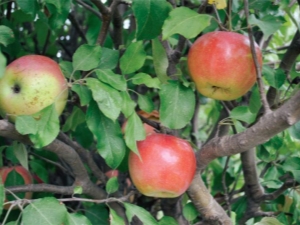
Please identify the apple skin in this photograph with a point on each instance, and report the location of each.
(165, 168)
(4, 171)
(29, 84)
(221, 65)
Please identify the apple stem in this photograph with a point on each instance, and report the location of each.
(263, 96)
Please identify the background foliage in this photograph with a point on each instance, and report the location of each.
(124, 56)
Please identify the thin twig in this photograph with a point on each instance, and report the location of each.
(256, 63)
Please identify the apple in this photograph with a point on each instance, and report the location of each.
(112, 173)
(29, 84)
(221, 65)
(165, 166)
(25, 174)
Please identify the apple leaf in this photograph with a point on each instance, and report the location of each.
(177, 105)
(14, 179)
(133, 58)
(190, 212)
(160, 60)
(243, 113)
(167, 220)
(128, 105)
(115, 219)
(146, 103)
(48, 127)
(186, 22)
(255, 102)
(76, 118)
(112, 185)
(6, 37)
(141, 213)
(37, 167)
(295, 130)
(109, 59)
(77, 219)
(86, 57)
(28, 6)
(57, 4)
(269, 221)
(146, 79)
(85, 94)
(268, 25)
(109, 77)
(2, 63)
(58, 13)
(150, 16)
(110, 143)
(26, 124)
(134, 131)
(46, 210)
(108, 99)
(21, 153)
(275, 78)
(68, 71)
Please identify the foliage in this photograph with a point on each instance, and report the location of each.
(120, 57)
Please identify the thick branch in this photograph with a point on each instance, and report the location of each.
(41, 188)
(66, 153)
(268, 126)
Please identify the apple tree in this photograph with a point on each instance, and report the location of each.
(126, 61)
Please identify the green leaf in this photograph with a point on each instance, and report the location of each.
(142, 214)
(77, 117)
(109, 77)
(271, 174)
(255, 102)
(2, 64)
(26, 124)
(177, 105)
(160, 60)
(68, 71)
(28, 6)
(293, 165)
(134, 131)
(21, 153)
(78, 190)
(269, 221)
(150, 16)
(110, 143)
(48, 127)
(243, 113)
(109, 59)
(14, 179)
(186, 22)
(58, 13)
(6, 37)
(190, 212)
(128, 105)
(146, 79)
(108, 99)
(77, 219)
(275, 78)
(167, 220)
(85, 94)
(112, 185)
(45, 211)
(133, 58)
(115, 219)
(146, 103)
(295, 130)
(38, 168)
(86, 57)
(268, 25)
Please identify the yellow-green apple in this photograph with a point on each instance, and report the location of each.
(29, 84)
(165, 166)
(24, 173)
(221, 65)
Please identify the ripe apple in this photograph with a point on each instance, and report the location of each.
(25, 174)
(222, 66)
(165, 166)
(29, 84)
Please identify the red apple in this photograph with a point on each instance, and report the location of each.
(222, 66)
(31, 83)
(25, 174)
(112, 173)
(165, 167)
